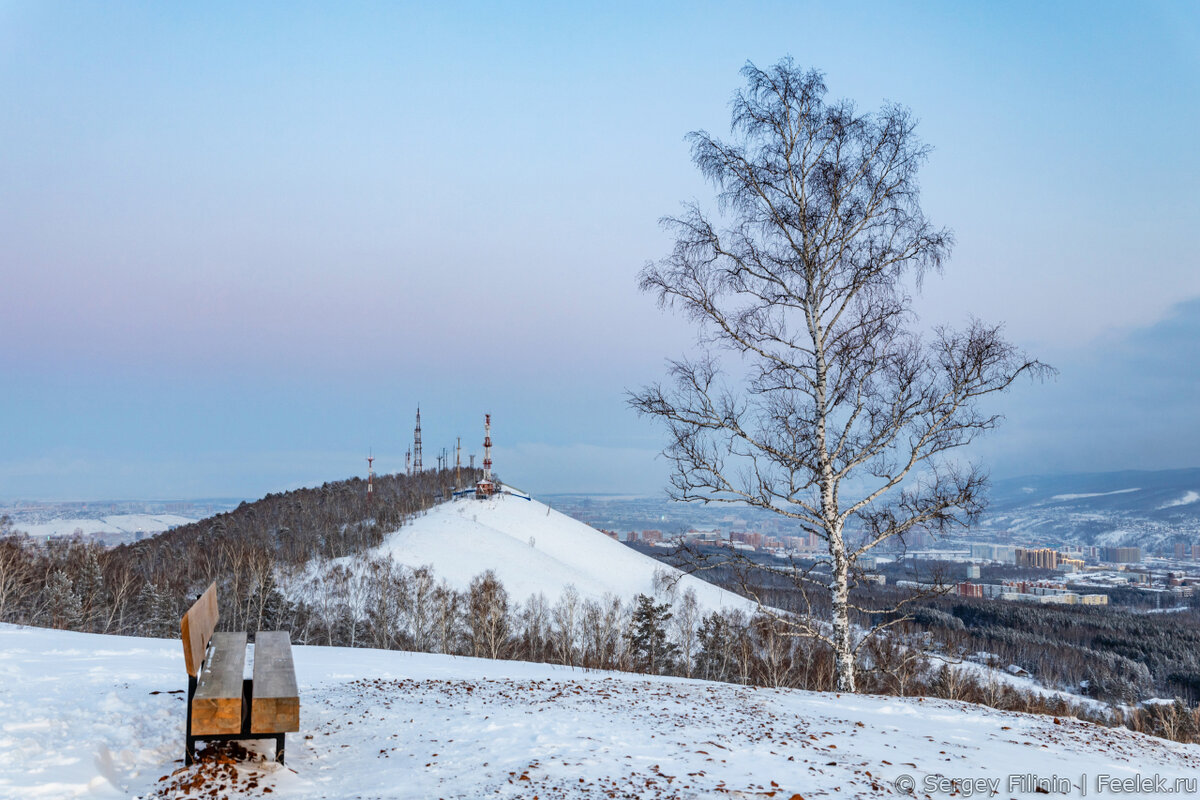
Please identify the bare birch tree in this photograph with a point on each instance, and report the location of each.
(16, 568)
(488, 619)
(842, 416)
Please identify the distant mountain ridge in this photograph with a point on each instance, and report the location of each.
(1149, 508)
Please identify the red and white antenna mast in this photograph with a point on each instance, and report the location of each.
(487, 447)
(370, 479)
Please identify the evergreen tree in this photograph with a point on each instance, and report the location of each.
(715, 659)
(269, 605)
(90, 588)
(650, 650)
(161, 618)
(62, 602)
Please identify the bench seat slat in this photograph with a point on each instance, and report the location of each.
(217, 705)
(276, 704)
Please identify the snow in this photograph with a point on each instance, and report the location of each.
(1114, 537)
(532, 548)
(1023, 682)
(116, 523)
(1174, 610)
(95, 716)
(1187, 499)
(1092, 494)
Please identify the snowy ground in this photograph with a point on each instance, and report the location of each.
(532, 549)
(101, 716)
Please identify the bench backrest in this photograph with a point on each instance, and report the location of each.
(197, 628)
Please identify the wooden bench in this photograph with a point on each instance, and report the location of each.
(221, 704)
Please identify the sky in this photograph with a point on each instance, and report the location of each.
(240, 243)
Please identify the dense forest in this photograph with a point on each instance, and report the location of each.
(280, 563)
(1116, 654)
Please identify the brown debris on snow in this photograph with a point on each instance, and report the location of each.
(222, 771)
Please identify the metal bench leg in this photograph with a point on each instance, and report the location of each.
(189, 744)
(279, 748)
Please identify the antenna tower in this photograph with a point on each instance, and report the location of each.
(458, 464)
(487, 447)
(417, 443)
(370, 479)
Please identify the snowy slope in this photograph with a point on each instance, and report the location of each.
(89, 715)
(532, 549)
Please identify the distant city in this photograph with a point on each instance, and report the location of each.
(1038, 572)
(110, 522)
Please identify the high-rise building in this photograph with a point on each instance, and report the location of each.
(1042, 558)
(1121, 555)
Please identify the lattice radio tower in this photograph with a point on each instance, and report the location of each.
(417, 443)
(487, 447)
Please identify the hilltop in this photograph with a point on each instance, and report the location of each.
(86, 714)
(533, 549)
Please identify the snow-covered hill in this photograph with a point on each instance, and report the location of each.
(532, 548)
(84, 715)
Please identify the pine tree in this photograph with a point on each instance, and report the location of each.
(62, 602)
(714, 661)
(650, 649)
(269, 605)
(160, 615)
(90, 588)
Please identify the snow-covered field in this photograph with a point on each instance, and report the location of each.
(116, 523)
(83, 715)
(1083, 495)
(532, 548)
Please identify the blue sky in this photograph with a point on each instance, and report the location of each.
(239, 244)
